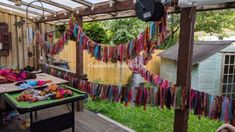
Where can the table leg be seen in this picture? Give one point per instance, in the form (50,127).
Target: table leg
(31,121)
(36,114)
(1,122)
(73,129)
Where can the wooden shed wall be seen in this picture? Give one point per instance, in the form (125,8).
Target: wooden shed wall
(168,71)
(18,54)
(210,74)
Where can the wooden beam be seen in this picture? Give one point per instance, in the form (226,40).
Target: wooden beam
(230,5)
(98,9)
(184,64)
(57,5)
(110,16)
(35,6)
(83,2)
(19,8)
(216,7)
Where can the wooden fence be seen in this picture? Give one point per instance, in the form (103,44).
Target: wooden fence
(110,73)
(18,54)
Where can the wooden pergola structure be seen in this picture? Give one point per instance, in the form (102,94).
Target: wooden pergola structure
(113,9)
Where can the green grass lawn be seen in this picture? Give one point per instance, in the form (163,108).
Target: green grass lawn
(151,120)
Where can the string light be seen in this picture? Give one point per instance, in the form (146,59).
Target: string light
(92,7)
(111,3)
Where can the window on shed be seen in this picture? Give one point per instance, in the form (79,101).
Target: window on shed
(228,83)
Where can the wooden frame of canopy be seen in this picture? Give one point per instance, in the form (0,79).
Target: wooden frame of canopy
(112,8)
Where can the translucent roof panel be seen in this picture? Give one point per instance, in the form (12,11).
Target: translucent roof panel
(22,6)
(68,3)
(17,11)
(45,5)
(96,1)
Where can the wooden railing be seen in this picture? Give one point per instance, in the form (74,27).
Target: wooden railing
(65,71)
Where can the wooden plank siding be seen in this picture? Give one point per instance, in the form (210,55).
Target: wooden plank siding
(206,76)
(168,69)
(18,54)
(210,74)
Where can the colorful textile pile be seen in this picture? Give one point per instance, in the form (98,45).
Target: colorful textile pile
(51,92)
(150,39)
(10,75)
(31,83)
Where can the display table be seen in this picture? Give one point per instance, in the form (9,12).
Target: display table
(9,92)
(53,124)
(10,87)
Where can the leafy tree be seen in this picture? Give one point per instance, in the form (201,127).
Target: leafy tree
(96,32)
(114,31)
(214,22)
(122,30)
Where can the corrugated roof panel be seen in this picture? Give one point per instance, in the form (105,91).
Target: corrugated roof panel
(17,11)
(67,3)
(51,7)
(96,1)
(22,6)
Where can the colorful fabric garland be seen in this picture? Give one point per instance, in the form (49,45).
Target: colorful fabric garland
(146,41)
(163,94)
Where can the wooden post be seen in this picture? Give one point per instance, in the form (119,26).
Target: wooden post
(184,65)
(37,56)
(79,64)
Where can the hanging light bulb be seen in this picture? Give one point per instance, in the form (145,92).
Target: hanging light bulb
(111,3)
(65,13)
(38,18)
(77,11)
(92,7)
(134,1)
(46,18)
(18,2)
(54,15)
(11,12)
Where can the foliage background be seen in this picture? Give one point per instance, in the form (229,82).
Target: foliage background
(120,31)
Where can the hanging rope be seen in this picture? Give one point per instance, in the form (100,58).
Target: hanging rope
(27,10)
(31,20)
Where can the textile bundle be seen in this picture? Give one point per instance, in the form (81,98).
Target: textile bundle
(9,75)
